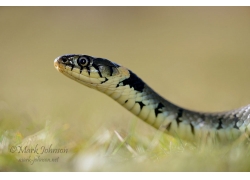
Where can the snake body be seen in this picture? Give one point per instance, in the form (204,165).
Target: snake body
(130,91)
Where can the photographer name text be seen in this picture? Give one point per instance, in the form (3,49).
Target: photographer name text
(37,150)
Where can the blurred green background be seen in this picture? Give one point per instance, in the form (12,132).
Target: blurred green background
(197,57)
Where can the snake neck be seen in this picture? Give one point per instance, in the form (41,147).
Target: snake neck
(136,96)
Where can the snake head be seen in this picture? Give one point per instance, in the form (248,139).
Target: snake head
(90,71)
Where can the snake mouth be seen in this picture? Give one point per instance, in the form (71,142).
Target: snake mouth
(56,63)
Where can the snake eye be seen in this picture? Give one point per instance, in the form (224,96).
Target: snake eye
(64,59)
(82,61)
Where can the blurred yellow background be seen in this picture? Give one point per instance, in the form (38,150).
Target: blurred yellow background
(196,57)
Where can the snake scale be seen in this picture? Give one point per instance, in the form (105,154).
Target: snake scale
(130,91)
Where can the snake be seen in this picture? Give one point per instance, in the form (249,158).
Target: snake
(129,90)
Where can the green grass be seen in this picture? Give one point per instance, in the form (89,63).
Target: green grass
(117,149)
